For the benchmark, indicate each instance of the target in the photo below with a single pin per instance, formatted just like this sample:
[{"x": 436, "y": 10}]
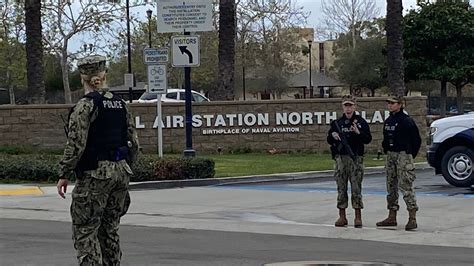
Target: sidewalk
[{"x": 40, "y": 189}]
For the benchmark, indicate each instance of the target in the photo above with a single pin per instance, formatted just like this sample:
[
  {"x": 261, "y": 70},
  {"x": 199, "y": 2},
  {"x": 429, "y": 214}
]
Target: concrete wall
[{"x": 258, "y": 125}]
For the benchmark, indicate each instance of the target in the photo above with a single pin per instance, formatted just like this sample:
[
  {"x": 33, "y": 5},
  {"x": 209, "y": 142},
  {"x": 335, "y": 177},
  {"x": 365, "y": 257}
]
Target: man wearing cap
[
  {"x": 347, "y": 137},
  {"x": 401, "y": 142},
  {"x": 101, "y": 143}
]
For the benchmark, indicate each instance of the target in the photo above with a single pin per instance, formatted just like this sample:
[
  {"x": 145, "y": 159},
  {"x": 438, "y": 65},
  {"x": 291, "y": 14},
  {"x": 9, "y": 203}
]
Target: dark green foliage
[
  {"x": 184, "y": 168},
  {"x": 29, "y": 167},
  {"x": 200, "y": 168},
  {"x": 144, "y": 168},
  {"x": 438, "y": 42},
  {"x": 16, "y": 166}
]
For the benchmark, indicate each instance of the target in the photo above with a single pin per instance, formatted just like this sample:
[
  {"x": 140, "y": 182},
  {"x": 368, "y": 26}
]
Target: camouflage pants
[
  {"x": 400, "y": 175},
  {"x": 97, "y": 205},
  {"x": 346, "y": 170}
]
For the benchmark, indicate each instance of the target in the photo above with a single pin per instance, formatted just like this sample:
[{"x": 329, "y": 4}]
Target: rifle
[
  {"x": 65, "y": 125},
  {"x": 344, "y": 143}
]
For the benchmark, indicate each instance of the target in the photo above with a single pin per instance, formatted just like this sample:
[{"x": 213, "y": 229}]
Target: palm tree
[
  {"x": 227, "y": 25},
  {"x": 34, "y": 51},
  {"x": 394, "y": 26}
]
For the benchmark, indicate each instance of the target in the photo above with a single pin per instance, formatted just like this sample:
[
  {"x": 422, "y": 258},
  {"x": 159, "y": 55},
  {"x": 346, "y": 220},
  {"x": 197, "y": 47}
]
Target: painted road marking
[
  {"x": 21, "y": 191},
  {"x": 334, "y": 190}
]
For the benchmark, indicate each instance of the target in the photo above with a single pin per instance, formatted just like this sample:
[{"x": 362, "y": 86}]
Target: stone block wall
[{"x": 256, "y": 125}]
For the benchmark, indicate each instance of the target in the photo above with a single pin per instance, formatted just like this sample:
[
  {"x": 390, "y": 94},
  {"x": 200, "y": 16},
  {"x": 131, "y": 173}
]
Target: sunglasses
[{"x": 348, "y": 104}]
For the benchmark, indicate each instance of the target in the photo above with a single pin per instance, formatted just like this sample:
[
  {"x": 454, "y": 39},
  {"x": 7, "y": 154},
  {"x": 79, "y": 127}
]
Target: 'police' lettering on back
[{"x": 110, "y": 104}]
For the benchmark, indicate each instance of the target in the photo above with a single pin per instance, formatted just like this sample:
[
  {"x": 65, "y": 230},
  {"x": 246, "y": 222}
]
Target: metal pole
[
  {"x": 129, "y": 50},
  {"x": 310, "y": 85},
  {"x": 160, "y": 126},
  {"x": 189, "y": 151},
  {"x": 243, "y": 80},
  {"x": 148, "y": 13}
]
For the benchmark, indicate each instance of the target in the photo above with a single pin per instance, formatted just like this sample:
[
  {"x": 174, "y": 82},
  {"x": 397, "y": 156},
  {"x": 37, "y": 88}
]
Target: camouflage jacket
[{"x": 78, "y": 125}]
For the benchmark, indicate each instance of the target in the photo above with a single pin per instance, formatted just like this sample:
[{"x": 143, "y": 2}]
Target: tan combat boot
[
  {"x": 390, "y": 221},
  {"x": 358, "y": 218},
  {"x": 411, "y": 221},
  {"x": 342, "y": 221}
]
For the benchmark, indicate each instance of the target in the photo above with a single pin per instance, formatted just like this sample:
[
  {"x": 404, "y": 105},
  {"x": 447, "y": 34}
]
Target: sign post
[
  {"x": 155, "y": 59},
  {"x": 185, "y": 16}
]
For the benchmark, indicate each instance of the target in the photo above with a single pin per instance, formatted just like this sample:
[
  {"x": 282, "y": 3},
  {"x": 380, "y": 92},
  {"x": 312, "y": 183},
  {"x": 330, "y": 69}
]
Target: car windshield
[
  {"x": 198, "y": 98},
  {"x": 148, "y": 96}
]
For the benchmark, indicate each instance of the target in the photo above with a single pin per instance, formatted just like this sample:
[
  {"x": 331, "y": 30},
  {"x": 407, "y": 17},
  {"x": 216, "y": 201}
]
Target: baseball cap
[
  {"x": 395, "y": 99},
  {"x": 348, "y": 99},
  {"x": 91, "y": 64}
]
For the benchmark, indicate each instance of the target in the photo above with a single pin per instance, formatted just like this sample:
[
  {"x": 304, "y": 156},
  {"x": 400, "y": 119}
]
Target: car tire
[{"x": 457, "y": 166}]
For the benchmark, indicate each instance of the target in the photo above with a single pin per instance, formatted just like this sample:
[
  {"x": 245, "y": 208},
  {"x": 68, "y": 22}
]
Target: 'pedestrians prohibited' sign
[
  {"x": 185, "y": 51},
  {"x": 157, "y": 81},
  {"x": 155, "y": 55}
]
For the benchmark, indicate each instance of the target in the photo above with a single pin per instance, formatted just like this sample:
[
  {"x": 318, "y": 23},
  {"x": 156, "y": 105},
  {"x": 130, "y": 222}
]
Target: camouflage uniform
[
  {"x": 401, "y": 142},
  {"x": 347, "y": 168},
  {"x": 100, "y": 196},
  {"x": 400, "y": 175},
  {"x": 350, "y": 170}
]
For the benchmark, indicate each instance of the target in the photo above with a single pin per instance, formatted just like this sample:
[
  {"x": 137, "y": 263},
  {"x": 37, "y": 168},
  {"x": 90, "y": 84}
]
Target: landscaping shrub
[
  {"x": 45, "y": 168},
  {"x": 29, "y": 167},
  {"x": 144, "y": 168},
  {"x": 184, "y": 168}
]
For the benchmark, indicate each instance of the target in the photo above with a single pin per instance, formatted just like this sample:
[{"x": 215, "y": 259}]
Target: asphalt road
[
  {"x": 34, "y": 242},
  {"x": 426, "y": 184},
  {"x": 251, "y": 224}
]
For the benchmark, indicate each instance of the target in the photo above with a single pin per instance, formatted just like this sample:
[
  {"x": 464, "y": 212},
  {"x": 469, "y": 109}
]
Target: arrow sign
[{"x": 185, "y": 51}]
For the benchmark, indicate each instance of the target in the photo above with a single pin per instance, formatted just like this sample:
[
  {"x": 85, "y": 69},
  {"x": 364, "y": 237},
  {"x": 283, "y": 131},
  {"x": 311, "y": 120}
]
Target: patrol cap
[
  {"x": 91, "y": 64},
  {"x": 395, "y": 99},
  {"x": 348, "y": 99}
]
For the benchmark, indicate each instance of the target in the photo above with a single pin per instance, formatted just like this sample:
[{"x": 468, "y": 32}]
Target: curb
[
  {"x": 281, "y": 177},
  {"x": 21, "y": 191}
]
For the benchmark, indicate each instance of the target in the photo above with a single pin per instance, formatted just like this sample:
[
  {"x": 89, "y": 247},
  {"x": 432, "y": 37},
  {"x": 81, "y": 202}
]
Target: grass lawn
[{"x": 257, "y": 164}]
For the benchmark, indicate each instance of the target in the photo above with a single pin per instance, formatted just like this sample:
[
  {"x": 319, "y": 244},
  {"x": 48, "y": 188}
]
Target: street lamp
[
  {"x": 244, "y": 48},
  {"x": 148, "y": 14},
  {"x": 129, "y": 49},
  {"x": 310, "y": 86}
]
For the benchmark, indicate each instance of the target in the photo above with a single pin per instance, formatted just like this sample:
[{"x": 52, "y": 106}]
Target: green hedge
[{"x": 44, "y": 168}]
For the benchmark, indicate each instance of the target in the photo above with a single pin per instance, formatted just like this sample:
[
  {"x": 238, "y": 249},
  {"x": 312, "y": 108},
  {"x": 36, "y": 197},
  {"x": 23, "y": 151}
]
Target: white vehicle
[
  {"x": 173, "y": 95},
  {"x": 452, "y": 149}
]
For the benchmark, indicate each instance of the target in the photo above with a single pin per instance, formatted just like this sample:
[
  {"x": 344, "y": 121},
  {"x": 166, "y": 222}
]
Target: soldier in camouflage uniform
[
  {"x": 347, "y": 137},
  {"x": 101, "y": 145},
  {"x": 401, "y": 142}
]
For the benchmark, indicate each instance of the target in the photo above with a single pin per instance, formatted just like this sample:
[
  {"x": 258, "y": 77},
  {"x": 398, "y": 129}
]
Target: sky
[{"x": 314, "y": 6}]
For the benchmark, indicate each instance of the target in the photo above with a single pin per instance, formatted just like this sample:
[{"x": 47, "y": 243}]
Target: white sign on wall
[
  {"x": 189, "y": 15},
  {"x": 185, "y": 51},
  {"x": 157, "y": 81},
  {"x": 128, "y": 80}
]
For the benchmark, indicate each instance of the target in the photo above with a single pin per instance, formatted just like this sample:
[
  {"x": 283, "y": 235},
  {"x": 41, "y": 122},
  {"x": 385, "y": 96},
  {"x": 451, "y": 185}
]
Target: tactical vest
[{"x": 107, "y": 136}]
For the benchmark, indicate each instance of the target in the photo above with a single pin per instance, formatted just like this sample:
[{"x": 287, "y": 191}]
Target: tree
[
  {"x": 34, "y": 51},
  {"x": 439, "y": 46},
  {"x": 345, "y": 16},
  {"x": 394, "y": 27},
  {"x": 12, "y": 50},
  {"x": 364, "y": 66},
  {"x": 63, "y": 22},
  {"x": 269, "y": 36},
  {"x": 227, "y": 27}
]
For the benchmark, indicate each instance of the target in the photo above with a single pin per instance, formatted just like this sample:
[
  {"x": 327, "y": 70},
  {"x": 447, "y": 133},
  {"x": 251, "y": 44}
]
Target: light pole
[
  {"x": 129, "y": 49},
  {"x": 310, "y": 84},
  {"x": 148, "y": 14},
  {"x": 243, "y": 67}
]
